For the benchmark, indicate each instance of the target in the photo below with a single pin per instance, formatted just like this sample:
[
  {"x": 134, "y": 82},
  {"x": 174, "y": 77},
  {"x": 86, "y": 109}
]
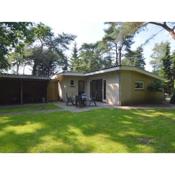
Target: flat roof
[
  {"x": 13, "y": 76},
  {"x": 117, "y": 68}
]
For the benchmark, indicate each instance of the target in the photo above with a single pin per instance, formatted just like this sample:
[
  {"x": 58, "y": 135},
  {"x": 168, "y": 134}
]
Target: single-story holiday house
[{"x": 122, "y": 85}]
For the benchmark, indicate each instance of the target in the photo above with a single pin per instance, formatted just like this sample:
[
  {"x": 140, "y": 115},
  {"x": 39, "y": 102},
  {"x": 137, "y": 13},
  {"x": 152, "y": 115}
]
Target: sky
[{"x": 89, "y": 32}]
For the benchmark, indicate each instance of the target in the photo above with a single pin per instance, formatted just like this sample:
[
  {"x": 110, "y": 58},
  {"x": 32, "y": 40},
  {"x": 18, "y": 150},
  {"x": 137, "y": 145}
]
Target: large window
[
  {"x": 104, "y": 88},
  {"x": 139, "y": 85}
]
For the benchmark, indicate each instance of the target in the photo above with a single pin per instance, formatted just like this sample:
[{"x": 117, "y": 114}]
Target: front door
[
  {"x": 96, "y": 89},
  {"x": 81, "y": 87}
]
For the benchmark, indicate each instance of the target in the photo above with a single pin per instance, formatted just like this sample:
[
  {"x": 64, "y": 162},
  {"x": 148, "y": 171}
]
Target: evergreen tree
[
  {"x": 75, "y": 62},
  {"x": 90, "y": 58},
  {"x": 159, "y": 52},
  {"x": 109, "y": 39},
  {"x": 173, "y": 64},
  {"x": 164, "y": 64},
  {"x": 167, "y": 69},
  {"x": 104, "y": 55},
  {"x": 134, "y": 58},
  {"x": 139, "y": 61},
  {"x": 119, "y": 39}
]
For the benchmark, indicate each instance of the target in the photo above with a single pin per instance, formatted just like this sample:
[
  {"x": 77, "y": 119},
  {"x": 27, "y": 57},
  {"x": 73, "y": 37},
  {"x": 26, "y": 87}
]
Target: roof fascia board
[
  {"x": 70, "y": 74},
  {"x": 141, "y": 71},
  {"x": 103, "y": 71},
  {"x": 127, "y": 68},
  {"x": 23, "y": 77}
]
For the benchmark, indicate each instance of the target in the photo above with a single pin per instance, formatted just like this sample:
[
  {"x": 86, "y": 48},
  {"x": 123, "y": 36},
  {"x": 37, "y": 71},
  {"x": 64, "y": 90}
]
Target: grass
[
  {"x": 101, "y": 130},
  {"x": 27, "y": 108}
]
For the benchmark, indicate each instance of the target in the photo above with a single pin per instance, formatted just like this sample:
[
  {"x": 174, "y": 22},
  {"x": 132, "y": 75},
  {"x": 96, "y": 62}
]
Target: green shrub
[
  {"x": 172, "y": 100},
  {"x": 156, "y": 86}
]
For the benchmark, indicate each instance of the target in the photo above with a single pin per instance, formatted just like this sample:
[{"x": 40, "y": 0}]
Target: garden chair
[
  {"x": 92, "y": 100},
  {"x": 69, "y": 100},
  {"x": 79, "y": 102}
]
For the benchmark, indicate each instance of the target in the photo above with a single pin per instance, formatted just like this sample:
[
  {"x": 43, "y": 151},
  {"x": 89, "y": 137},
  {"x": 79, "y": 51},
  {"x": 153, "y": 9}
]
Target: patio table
[{"x": 81, "y": 100}]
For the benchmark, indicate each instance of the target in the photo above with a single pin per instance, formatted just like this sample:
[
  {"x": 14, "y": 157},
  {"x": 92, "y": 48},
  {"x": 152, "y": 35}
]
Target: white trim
[
  {"x": 104, "y": 80},
  {"x": 103, "y": 71},
  {"x": 126, "y": 68},
  {"x": 70, "y": 74}
]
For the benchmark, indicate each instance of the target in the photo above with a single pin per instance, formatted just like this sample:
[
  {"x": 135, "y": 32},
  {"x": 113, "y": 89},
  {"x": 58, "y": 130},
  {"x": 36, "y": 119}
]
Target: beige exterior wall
[
  {"x": 129, "y": 95},
  {"x": 64, "y": 86},
  {"x": 112, "y": 86},
  {"x": 52, "y": 90}
]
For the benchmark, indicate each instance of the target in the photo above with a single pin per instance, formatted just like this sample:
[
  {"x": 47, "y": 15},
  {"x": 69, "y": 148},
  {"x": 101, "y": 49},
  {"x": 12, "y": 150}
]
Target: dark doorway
[
  {"x": 9, "y": 91},
  {"x": 104, "y": 89},
  {"x": 96, "y": 89},
  {"x": 34, "y": 91},
  {"x": 81, "y": 87}
]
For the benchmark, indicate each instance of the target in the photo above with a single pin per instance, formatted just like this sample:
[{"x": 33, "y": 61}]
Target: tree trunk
[
  {"x": 119, "y": 56},
  {"x": 17, "y": 68},
  {"x": 172, "y": 33},
  {"x": 65, "y": 64},
  {"x": 34, "y": 69},
  {"x": 24, "y": 69},
  {"x": 116, "y": 54}
]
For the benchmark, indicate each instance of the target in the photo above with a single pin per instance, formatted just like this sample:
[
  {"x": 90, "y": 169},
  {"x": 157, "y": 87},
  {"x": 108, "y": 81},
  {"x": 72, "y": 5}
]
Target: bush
[
  {"x": 172, "y": 100},
  {"x": 169, "y": 87},
  {"x": 156, "y": 86}
]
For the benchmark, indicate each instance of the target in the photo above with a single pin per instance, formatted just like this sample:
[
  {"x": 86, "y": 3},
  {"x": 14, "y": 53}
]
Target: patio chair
[
  {"x": 92, "y": 100},
  {"x": 69, "y": 100},
  {"x": 79, "y": 102}
]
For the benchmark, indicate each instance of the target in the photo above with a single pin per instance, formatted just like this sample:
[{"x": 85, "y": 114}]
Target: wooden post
[
  {"x": 21, "y": 92},
  {"x": 46, "y": 91}
]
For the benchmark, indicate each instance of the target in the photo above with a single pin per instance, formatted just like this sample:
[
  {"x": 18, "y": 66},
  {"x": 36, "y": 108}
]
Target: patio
[{"x": 73, "y": 108}]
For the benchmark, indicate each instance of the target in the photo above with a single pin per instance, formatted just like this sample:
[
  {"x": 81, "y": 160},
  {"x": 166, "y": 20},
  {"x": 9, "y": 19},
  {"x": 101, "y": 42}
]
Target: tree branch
[
  {"x": 166, "y": 27},
  {"x": 154, "y": 35}
]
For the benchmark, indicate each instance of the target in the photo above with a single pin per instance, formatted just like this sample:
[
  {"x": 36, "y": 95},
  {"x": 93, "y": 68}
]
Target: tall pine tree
[
  {"x": 167, "y": 69},
  {"x": 139, "y": 60},
  {"x": 134, "y": 58},
  {"x": 74, "y": 61},
  {"x": 159, "y": 52}
]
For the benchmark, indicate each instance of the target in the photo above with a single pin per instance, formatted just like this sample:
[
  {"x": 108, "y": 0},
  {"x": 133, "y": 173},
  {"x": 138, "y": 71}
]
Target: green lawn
[
  {"x": 27, "y": 108},
  {"x": 101, "y": 130}
]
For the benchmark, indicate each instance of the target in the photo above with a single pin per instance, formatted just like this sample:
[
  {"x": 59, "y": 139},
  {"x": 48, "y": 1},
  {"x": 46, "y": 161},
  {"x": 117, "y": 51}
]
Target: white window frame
[
  {"x": 104, "y": 80},
  {"x": 139, "y": 81}
]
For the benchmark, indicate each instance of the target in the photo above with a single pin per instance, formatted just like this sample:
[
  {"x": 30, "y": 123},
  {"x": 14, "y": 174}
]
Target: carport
[{"x": 20, "y": 89}]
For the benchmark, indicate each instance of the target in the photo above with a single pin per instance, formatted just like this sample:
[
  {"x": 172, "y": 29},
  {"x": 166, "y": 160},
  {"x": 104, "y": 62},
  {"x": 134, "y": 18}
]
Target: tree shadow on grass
[
  {"x": 135, "y": 130},
  {"x": 55, "y": 129}
]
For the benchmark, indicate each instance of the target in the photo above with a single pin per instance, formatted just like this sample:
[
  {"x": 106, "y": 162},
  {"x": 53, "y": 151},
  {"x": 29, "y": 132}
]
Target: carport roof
[{"x": 13, "y": 76}]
